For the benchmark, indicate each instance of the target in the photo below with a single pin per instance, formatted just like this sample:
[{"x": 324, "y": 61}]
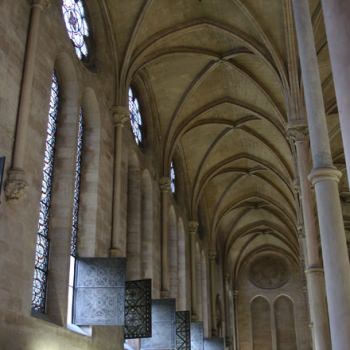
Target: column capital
[
  {"x": 323, "y": 174},
  {"x": 297, "y": 130},
  {"x": 165, "y": 184},
  {"x": 212, "y": 254},
  {"x": 193, "y": 227},
  {"x": 120, "y": 115},
  {"x": 15, "y": 185},
  {"x": 41, "y": 4}
]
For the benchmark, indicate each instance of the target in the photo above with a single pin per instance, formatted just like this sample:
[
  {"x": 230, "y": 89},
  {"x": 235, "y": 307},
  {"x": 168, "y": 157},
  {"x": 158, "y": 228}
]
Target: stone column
[
  {"x": 227, "y": 310},
  {"x": 16, "y": 182},
  {"x": 325, "y": 178},
  {"x": 192, "y": 229},
  {"x": 336, "y": 14},
  {"x": 165, "y": 189},
  {"x": 120, "y": 115},
  {"x": 234, "y": 312},
  {"x": 212, "y": 265},
  {"x": 313, "y": 264}
]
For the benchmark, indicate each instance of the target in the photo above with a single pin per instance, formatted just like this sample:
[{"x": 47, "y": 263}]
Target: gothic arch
[{"x": 62, "y": 189}]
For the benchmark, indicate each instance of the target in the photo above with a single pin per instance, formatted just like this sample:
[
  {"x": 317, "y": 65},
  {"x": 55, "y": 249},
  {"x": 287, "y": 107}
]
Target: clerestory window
[
  {"x": 74, "y": 14},
  {"x": 135, "y": 117},
  {"x": 172, "y": 178}
]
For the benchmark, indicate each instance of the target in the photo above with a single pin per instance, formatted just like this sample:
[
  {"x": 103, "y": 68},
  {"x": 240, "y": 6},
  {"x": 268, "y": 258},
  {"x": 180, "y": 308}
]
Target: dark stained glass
[
  {"x": 135, "y": 117},
  {"x": 76, "y": 194},
  {"x": 42, "y": 243},
  {"x": 74, "y": 14}
]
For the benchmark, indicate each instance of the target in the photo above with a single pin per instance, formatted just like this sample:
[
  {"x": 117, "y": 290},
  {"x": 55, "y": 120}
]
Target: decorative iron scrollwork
[
  {"x": 138, "y": 309},
  {"x": 183, "y": 330}
]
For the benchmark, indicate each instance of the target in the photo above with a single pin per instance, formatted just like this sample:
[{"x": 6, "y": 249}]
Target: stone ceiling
[{"x": 225, "y": 79}]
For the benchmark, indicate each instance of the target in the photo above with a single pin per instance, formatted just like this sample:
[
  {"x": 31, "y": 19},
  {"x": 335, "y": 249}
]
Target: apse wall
[{"x": 271, "y": 306}]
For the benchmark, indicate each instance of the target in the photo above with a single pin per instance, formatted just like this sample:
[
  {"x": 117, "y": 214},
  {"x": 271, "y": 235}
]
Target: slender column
[
  {"x": 212, "y": 262},
  {"x": 16, "y": 183},
  {"x": 120, "y": 115},
  {"x": 325, "y": 178},
  {"x": 235, "y": 329},
  {"x": 227, "y": 310},
  {"x": 313, "y": 264},
  {"x": 336, "y": 14},
  {"x": 165, "y": 190},
  {"x": 192, "y": 229}
]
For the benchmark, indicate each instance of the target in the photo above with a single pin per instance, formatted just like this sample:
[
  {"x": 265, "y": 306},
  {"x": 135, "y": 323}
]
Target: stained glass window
[
  {"x": 135, "y": 117},
  {"x": 76, "y": 194},
  {"x": 172, "y": 177},
  {"x": 42, "y": 243},
  {"x": 74, "y": 14}
]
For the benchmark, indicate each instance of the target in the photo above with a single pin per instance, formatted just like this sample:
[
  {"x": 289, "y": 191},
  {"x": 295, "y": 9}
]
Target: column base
[
  {"x": 16, "y": 184},
  {"x": 116, "y": 253},
  {"x": 164, "y": 294}
]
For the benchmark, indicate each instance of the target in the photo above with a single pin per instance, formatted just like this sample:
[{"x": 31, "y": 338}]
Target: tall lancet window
[
  {"x": 172, "y": 178},
  {"x": 76, "y": 195},
  {"x": 42, "y": 244},
  {"x": 74, "y": 14},
  {"x": 135, "y": 117}
]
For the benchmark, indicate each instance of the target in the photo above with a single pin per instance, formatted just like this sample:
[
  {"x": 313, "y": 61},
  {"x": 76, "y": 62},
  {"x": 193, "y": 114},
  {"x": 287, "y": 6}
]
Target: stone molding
[
  {"x": 193, "y": 227},
  {"x": 16, "y": 185},
  {"x": 120, "y": 115},
  {"x": 324, "y": 174},
  {"x": 298, "y": 131},
  {"x": 212, "y": 255},
  {"x": 41, "y": 4},
  {"x": 314, "y": 269},
  {"x": 164, "y": 184}
]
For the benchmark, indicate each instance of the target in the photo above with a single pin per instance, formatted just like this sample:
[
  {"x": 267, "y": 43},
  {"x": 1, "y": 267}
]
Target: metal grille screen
[
  {"x": 183, "y": 330},
  {"x": 138, "y": 309},
  {"x": 99, "y": 291}
]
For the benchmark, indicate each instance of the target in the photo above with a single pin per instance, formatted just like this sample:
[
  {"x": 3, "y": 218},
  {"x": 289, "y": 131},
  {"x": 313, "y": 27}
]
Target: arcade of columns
[{"x": 334, "y": 283}]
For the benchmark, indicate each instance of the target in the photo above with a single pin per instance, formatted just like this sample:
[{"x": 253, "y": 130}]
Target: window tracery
[
  {"x": 135, "y": 117},
  {"x": 74, "y": 14},
  {"x": 43, "y": 243}
]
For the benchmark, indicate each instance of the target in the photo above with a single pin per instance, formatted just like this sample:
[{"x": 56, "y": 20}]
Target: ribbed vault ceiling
[{"x": 225, "y": 81}]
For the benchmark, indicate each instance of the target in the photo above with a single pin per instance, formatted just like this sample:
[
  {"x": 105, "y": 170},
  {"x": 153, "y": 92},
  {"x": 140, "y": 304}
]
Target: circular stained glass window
[
  {"x": 74, "y": 14},
  {"x": 135, "y": 117}
]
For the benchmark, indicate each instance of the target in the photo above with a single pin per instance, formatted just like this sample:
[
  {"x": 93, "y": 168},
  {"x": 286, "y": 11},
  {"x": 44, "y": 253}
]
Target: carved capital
[
  {"x": 41, "y": 4},
  {"x": 164, "y": 184},
  {"x": 324, "y": 174},
  {"x": 193, "y": 227},
  {"x": 15, "y": 185},
  {"x": 212, "y": 255},
  {"x": 120, "y": 115},
  {"x": 297, "y": 131}
]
